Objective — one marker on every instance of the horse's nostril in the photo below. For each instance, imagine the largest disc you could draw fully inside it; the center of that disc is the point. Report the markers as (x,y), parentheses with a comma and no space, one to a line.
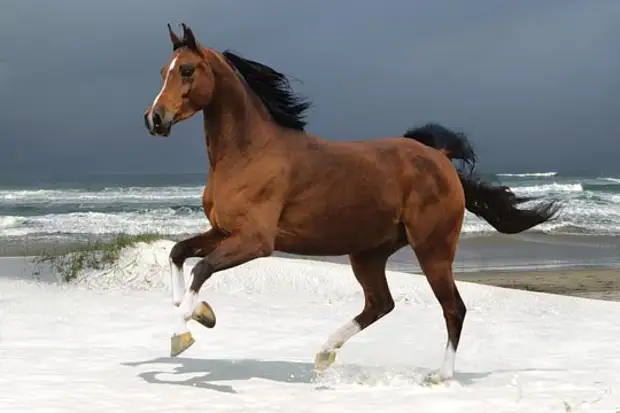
(156,120)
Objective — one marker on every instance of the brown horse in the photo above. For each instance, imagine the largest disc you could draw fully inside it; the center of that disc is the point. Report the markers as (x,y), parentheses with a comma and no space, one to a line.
(273,187)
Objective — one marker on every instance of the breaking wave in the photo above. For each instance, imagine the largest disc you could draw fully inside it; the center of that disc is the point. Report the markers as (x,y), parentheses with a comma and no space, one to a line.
(592,206)
(529,175)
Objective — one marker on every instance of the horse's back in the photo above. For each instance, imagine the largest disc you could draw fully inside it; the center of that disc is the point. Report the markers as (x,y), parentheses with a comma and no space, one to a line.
(342,197)
(392,164)
(354,194)
(432,193)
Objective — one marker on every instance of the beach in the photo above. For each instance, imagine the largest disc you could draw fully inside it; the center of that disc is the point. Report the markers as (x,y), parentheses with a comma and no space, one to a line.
(575,266)
(131,126)
(584,267)
(576,254)
(107,333)
(600,284)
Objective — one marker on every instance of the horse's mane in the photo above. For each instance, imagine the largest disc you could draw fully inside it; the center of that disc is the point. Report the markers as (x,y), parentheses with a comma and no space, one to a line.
(273,88)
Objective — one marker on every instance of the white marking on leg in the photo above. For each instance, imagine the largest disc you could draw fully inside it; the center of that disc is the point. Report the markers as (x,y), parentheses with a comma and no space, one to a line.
(185,310)
(172,65)
(177,283)
(340,336)
(447,368)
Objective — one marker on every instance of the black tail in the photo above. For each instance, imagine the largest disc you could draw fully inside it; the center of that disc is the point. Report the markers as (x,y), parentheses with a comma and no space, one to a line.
(495,204)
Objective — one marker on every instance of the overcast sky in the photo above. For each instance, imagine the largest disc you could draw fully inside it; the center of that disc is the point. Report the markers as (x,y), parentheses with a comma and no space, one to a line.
(535,84)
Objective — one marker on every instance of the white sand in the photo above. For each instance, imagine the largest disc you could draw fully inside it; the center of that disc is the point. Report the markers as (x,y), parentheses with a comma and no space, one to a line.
(101,345)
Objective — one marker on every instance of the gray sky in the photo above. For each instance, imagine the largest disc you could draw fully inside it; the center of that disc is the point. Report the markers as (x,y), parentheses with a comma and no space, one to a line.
(535,84)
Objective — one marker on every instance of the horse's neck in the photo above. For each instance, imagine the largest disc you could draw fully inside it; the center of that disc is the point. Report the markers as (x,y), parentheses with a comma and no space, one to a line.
(233,124)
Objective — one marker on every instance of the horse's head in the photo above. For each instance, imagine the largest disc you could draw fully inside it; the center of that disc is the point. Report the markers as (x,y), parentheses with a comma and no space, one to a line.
(188,84)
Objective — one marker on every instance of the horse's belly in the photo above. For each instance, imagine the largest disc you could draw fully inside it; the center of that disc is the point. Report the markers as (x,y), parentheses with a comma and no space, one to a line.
(336,233)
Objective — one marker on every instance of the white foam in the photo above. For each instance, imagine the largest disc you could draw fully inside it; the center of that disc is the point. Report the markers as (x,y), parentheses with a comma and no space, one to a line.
(81,349)
(530,175)
(553,188)
(177,210)
(7,222)
(139,195)
(164,220)
(578,216)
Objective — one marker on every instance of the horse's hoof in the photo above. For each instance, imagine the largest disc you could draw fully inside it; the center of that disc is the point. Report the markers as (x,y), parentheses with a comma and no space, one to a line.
(323,360)
(180,342)
(203,314)
(434,379)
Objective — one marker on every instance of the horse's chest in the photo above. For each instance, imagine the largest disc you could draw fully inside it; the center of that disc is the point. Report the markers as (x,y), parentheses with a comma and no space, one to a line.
(207,206)
(220,211)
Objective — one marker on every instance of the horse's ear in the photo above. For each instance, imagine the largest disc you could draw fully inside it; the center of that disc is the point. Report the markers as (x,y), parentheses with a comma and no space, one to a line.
(176,42)
(190,40)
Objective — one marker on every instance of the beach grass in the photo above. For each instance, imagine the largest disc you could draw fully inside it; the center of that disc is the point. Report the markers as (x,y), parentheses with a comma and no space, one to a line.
(70,260)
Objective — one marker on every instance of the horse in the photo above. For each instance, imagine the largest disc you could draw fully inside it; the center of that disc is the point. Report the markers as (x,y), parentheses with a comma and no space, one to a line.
(272,186)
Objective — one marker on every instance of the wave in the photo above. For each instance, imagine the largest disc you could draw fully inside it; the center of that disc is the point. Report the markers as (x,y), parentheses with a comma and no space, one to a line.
(615,180)
(39,209)
(163,220)
(140,195)
(592,206)
(610,181)
(530,175)
(580,216)
(552,188)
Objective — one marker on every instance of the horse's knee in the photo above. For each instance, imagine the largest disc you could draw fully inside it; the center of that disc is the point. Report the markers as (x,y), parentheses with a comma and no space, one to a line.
(178,254)
(201,272)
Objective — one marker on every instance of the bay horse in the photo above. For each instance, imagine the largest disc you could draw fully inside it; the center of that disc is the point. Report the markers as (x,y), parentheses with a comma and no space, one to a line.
(274,187)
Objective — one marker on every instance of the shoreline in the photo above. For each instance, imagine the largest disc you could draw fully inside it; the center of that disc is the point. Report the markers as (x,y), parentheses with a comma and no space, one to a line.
(589,283)
(593,283)
(572,266)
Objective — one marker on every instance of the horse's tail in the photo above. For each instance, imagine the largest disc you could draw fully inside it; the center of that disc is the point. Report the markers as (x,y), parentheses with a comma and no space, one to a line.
(495,204)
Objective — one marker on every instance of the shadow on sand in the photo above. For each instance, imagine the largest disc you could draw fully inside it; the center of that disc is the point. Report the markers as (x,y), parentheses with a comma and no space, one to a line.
(207,372)
(218,370)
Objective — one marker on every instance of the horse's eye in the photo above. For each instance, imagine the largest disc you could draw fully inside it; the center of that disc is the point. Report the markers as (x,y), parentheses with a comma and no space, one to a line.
(187,70)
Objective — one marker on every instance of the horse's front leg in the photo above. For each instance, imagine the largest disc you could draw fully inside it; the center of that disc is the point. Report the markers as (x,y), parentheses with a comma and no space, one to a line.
(197,246)
(233,250)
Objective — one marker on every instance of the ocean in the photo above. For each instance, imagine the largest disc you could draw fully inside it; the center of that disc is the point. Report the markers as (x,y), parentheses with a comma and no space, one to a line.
(96,207)
(134,204)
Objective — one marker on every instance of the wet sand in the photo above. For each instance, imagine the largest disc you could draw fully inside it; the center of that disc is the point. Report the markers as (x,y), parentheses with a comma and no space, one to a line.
(601,284)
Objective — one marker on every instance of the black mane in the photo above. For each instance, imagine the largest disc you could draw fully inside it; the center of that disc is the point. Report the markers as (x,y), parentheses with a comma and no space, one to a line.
(273,88)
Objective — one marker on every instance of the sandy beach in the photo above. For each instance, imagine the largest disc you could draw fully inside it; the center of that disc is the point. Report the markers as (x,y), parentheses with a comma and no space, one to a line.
(567,266)
(109,338)
(601,284)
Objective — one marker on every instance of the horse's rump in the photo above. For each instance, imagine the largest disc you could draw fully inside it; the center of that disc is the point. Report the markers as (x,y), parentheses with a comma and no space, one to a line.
(495,204)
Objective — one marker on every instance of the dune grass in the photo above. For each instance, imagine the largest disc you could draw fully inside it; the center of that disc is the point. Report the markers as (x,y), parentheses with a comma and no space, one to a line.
(96,255)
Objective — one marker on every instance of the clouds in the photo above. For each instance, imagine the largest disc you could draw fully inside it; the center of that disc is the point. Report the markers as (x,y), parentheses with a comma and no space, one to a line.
(534,83)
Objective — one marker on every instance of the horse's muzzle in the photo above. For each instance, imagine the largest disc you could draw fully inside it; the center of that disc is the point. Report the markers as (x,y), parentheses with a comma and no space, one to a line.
(158,121)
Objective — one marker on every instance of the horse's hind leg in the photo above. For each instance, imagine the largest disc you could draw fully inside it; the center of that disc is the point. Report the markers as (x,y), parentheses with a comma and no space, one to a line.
(436,255)
(369,270)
